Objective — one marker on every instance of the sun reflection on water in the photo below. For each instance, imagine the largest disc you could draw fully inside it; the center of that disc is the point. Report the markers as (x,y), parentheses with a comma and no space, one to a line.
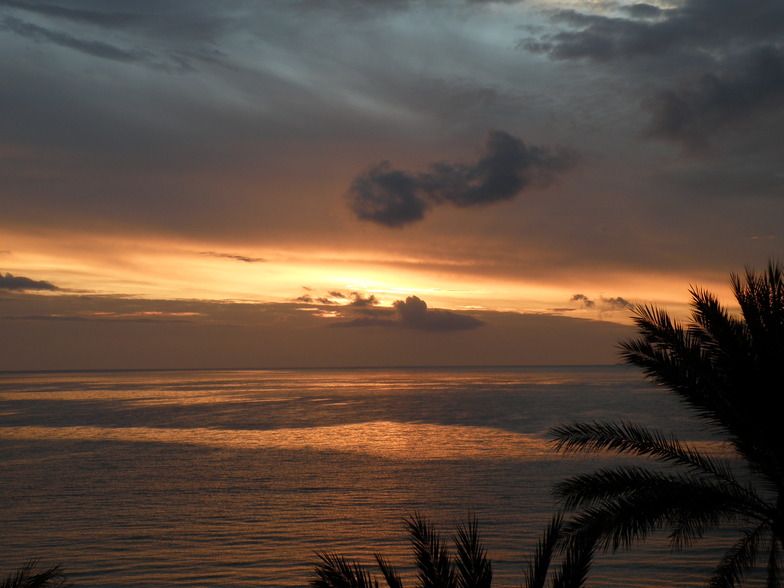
(386,439)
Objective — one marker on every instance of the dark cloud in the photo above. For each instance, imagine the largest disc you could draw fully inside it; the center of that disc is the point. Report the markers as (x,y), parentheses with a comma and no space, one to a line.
(413,313)
(690,115)
(356,300)
(386,196)
(394,198)
(360,301)
(584,300)
(728,53)
(20,283)
(235,257)
(616,303)
(604,304)
(707,27)
(643,10)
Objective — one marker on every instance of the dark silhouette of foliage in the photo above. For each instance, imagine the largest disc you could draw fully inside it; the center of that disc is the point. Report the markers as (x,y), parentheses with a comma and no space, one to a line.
(469,568)
(730,370)
(27,577)
(576,563)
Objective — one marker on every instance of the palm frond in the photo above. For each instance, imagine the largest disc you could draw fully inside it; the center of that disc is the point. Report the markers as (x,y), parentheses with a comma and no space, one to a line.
(335,571)
(774,575)
(738,559)
(536,569)
(631,439)
(577,562)
(674,357)
(474,569)
(695,493)
(27,577)
(434,567)
(389,572)
(623,506)
(725,336)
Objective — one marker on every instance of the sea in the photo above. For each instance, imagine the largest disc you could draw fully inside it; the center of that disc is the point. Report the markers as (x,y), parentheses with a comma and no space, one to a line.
(241,478)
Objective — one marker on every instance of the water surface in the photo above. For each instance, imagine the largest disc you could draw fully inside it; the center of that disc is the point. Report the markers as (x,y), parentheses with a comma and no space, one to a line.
(236,478)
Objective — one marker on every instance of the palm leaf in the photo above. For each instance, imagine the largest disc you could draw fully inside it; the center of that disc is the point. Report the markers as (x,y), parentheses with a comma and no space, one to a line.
(335,571)
(434,567)
(738,559)
(628,438)
(577,562)
(624,506)
(26,577)
(536,569)
(474,569)
(388,571)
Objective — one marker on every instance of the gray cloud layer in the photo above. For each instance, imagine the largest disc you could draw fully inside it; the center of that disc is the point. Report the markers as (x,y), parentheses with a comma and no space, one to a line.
(731,52)
(394,198)
(692,113)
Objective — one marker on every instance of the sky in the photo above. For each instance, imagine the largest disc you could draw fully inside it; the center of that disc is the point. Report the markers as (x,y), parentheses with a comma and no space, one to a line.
(303,183)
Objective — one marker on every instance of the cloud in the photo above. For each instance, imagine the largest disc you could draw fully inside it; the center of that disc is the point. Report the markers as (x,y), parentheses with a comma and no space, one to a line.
(20,283)
(139,317)
(731,54)
(235,257)
(616,303)
(112,19)
(359,301)
(356,300)
(695,26)
(690,115)
(604,304)
(413,313)
(89,47)
(582,298)
(394,198)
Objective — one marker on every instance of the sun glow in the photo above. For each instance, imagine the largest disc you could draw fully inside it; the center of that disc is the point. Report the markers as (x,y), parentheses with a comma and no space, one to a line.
(177,270)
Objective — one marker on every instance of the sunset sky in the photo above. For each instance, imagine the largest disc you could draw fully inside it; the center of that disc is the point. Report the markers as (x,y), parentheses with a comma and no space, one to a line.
(194,184)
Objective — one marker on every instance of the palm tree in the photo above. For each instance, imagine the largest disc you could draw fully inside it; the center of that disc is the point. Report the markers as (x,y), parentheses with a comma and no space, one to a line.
(470,568)
(729,369)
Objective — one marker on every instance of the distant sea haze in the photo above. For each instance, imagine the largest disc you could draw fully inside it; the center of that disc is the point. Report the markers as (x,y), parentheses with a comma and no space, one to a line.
(237,478)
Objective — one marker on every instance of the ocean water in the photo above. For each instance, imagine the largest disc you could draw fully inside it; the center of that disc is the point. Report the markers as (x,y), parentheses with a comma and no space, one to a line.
(238,478)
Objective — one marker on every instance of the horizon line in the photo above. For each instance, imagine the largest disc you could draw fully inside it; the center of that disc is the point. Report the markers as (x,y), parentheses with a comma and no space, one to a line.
(304,368)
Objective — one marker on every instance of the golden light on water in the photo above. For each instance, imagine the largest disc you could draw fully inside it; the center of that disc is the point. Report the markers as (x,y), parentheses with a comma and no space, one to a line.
(383,439)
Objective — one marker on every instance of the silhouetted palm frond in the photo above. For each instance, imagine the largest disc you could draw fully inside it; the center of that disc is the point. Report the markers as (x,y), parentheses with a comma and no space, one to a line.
(577,561)
(474,569)
(631,439)
(434,567)
(27,577)
(335,571)
(389,572)
(537,568)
